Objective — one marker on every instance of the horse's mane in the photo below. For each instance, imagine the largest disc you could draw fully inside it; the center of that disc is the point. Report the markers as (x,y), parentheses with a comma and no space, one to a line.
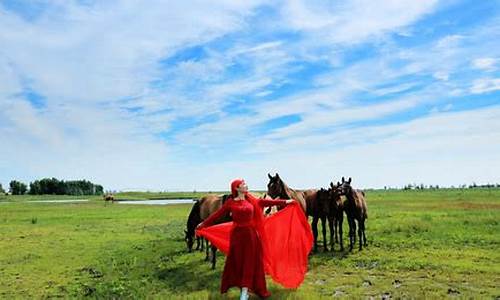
(286,189)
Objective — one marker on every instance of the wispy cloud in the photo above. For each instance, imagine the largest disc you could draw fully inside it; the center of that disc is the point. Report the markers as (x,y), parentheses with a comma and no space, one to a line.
(148,96)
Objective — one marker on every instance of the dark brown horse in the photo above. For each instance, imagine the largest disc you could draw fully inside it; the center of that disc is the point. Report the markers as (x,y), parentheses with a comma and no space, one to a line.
(193,220)
(203,208)
(335,215)
(356,210)
(320,209)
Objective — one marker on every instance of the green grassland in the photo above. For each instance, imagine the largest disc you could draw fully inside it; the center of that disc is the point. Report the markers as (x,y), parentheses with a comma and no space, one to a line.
(422,244)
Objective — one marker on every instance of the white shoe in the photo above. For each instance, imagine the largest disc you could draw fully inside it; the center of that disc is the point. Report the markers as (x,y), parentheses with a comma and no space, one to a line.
(244,294)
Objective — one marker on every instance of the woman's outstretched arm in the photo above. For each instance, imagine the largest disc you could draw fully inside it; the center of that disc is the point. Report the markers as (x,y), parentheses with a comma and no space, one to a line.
(272,202)
(215,216)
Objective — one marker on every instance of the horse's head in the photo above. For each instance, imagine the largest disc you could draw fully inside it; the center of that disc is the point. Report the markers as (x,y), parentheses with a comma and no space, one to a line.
(345,187)
(188,238)
(323,201)
(276,187)
(335,193)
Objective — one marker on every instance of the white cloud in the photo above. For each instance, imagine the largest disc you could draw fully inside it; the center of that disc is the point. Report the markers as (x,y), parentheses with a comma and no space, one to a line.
(441,75)
(444,148)
(485,63)
(86,60)
(353,21)
(485,85)
(108,95)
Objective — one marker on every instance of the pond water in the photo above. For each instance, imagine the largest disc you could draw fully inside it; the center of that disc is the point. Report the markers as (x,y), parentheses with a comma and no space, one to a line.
(59,201)
(158,202)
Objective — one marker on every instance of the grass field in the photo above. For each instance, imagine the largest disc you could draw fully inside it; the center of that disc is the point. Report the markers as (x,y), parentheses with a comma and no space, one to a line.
(423,244)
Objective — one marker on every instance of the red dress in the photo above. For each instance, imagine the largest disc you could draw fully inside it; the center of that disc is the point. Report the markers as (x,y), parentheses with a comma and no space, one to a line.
(254,249)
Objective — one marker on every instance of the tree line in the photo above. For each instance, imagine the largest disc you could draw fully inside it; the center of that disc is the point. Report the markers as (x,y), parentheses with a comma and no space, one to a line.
(54,186)
(413,186)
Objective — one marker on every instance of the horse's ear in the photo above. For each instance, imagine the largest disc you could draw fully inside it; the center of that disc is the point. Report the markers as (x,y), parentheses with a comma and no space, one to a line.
(350,179)
(343,180)
(277,175)
(338,183)
(270,177)
(331,184)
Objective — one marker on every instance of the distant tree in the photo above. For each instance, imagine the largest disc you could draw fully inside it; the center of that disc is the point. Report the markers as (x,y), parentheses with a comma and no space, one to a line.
(2,191)
(17,188)
(61,187)
(35,188)
(408,187)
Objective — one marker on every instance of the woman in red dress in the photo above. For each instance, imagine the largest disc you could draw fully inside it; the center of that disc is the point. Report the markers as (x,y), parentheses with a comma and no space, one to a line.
(246,263)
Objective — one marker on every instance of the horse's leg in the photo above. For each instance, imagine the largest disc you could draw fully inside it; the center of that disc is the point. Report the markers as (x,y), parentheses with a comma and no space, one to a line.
(331,225)
(364,234)
(214,257)
(197,243)
(323,228)
(336,229)
(352,232)
(207,249)
(360,234)
(315,232)
(340,220)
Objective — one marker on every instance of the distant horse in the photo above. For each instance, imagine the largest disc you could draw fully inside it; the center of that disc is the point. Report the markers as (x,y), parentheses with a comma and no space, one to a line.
(335,215)
(200,211)
(109,197)
(356,210)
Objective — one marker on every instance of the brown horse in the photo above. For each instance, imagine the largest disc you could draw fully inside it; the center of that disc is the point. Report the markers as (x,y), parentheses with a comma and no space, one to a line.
(308,199)
(203,208)
(335,215)
(109,197)
(277,188)
(356,210)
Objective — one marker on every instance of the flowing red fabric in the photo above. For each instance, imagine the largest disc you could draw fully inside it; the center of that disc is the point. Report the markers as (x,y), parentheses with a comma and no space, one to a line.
(286,241)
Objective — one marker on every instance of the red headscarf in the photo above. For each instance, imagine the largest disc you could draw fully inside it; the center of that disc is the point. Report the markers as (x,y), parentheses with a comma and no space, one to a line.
(234,186)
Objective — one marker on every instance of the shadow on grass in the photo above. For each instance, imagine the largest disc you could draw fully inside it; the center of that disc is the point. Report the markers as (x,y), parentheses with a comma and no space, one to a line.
(189,277)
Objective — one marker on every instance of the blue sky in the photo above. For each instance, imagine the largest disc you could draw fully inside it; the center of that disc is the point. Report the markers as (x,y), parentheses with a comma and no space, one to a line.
(181,96)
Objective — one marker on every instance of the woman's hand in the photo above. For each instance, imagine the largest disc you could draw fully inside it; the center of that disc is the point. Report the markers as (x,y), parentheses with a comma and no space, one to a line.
(198,226)
(289,201)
